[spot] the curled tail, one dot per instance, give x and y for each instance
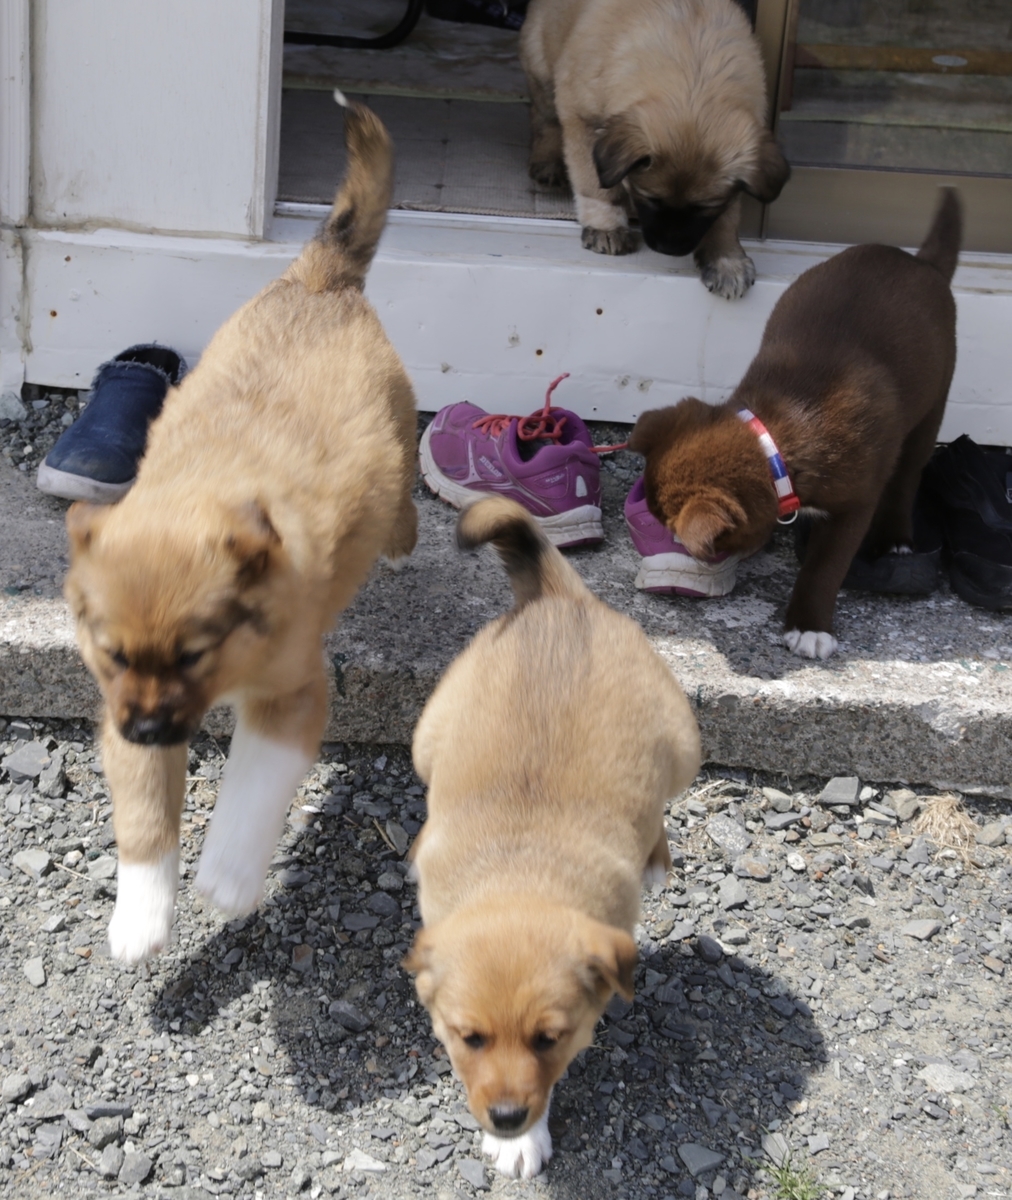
(941, 246)
(533, 564)
(340, 254)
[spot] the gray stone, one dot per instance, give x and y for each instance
(992, 834)
(383, 905)
(775, 1145)
(779, 801)
(731, 893)
(15, 1087)
(11, 408)
(841, 789)
(103, 867)
(135, 1169)
(105, 1130)
(473, 1172)
(271, 1159)
(708, 949)
(28, 761)
(904, 803)
(348, 1016)
(942, 1078)
(35, 862)
(399, 837)
(110, 1162)
(919, 853)
(52, 1103)
(300, 1178)
(408, 1111)
(54, 924)
(682, 930)
(356, 921)
(747, 867)
(107, 1108)
(737, 935)
(774, 820)
(712, 1111)
(78, 1121)
(698, 1158)
(922, 930)
(52, 782)
(818, 1142)
(728, 835)
(35, 972)
(358, 1160)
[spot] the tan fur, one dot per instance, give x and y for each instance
(550, 748)
(657, 105)
(277, 472)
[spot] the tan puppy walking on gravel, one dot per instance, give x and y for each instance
(276, 474)
(550, 749)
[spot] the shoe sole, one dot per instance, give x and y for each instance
(998, 598)
(79, 487)
(679, 575)
(577, 527)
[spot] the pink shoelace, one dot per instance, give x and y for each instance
(542, 425)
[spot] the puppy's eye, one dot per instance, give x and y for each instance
(119, 658)
(474, 1041)
(543, 1042)
(189, 658)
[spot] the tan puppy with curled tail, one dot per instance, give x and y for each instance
(276, 474)
(550, 748)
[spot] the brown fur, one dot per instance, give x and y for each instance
(277, 472)
(550, 748)
(658, 106)
(851, 380)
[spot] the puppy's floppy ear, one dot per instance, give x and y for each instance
(609, 962)
(704, 518)
(251, 541)
(620, 148)
(420, 962)
(84, 521)
(771, 171)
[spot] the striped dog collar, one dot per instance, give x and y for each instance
(787, 499)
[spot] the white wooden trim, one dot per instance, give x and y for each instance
(469, 301)
(15, 163)
(268, 141)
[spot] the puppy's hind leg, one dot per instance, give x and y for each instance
(546, 165)
(724, 267)
(659, 862)
(147, 785)
(274, 744)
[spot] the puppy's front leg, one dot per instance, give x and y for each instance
(273, 746)
(831, 550)
(521, 1157)
(724, 267)
(147, 785)
(600, 211)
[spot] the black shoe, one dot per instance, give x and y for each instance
(506, 14)
(914, 574)
(971, 488)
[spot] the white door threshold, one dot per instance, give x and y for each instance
(488, 309)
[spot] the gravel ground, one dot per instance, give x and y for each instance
(819, 982)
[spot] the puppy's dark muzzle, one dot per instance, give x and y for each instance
(674, 231)
(507, 1118)
(154, 729)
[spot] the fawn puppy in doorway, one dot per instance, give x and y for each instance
(658, 107)
(276, 474)
(550, 749)
(837, 414)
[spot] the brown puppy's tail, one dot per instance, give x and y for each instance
(533, 564)
(941, 246)
(340, 254)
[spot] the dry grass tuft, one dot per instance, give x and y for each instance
(943, 820)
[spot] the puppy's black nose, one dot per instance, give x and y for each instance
(507, 1117)
(153, 729)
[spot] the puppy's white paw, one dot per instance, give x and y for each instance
(520, 1157)
(621, 240)
(654, 876)
(729, 277)
(810, 644)
(233, 884)
(145, 899)
(901, 549)
(397, 562)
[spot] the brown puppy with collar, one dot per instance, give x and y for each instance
(550, 749)
(851, 381)
(656, 107)
(276, 474)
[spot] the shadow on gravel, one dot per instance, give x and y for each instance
(679, 1090)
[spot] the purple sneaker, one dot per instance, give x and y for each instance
(545, 462)
(667, 566)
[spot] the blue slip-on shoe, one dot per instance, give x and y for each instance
(96, 459)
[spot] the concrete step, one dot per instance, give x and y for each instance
(921, 691)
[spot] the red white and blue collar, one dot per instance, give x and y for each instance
(787, 498)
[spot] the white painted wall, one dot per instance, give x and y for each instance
(156, 116)
(469, 302)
